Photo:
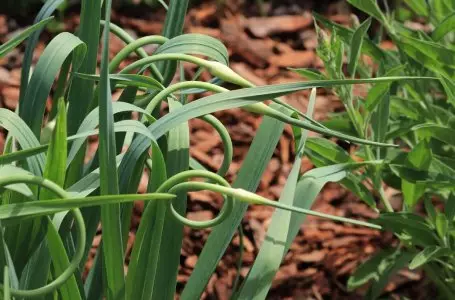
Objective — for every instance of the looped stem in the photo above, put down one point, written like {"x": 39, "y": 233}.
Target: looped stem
{"x": 226, "y": 141}
{"x": 81, "y": 236}
{"x": 177, "y": 183}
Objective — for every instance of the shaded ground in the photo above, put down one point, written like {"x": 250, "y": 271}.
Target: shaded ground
{"x": 324, "y": 253}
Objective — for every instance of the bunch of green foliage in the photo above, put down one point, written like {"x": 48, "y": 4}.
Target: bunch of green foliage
{"x": 417, "y": 115}
{"x": 52, "y": 200}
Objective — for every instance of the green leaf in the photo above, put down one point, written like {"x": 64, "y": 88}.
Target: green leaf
{"x": 379, "y": 91}
{"x": 248, "y": 178}
{"x": 356, "y": 46}
{"x": 379, "y": 123}
{"x": 91, "y": 121}
{"x": 378, "y": 269}
{"x": 370, "y": 7}
{"x": 281, "y": 229}
{"x": 21, "y": 132}
{"x": 435, "y": 179}
{"x": 442, "y": 225}
{"x": 409, "y": 227}
{"x": 177, "y": 160}
{"x": 420, "y": 7}
{"x": 323, "y": 152}
{"x": 419, "y": 158}
{"x": 439, "y": 132}
{"x": 433, "y": 56}
{"x": 81, "y": 92}
{"x": 46, "y": 10}
{"x": 328, "y": 150}
{"x": 11, "y": 213}
{"x": 446, "y": 26}
{"x": 436, "y": 51}
{"x": 309, "y": 74}
{"x": 427, "y": 255}
{"x": 173, "y": 26}
{"x": 110, "y": 214}
{"x": 17, "y": 39}
{"x": 128, "y": 79}
{"x": 450, "y": 207}
{"x": 31, "y": 109}
{"x": 145, "y": 253}
{"x": 346, "y": 35}
{"x": 55, "y": 168}
{"x": 10, "y": 170}
{"x": 449, "y": 87}
{"x": 194, "y": 43}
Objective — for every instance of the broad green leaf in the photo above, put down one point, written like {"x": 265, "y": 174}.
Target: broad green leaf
{"x": 435, "y": 179}
{"x": 427, "y": 255}
{"x": 436, "y": 51}
{"x": 60, "y": 263}
{"x": 409, "y": 227}
{"x": 439, "y": 132}
{"x": 419, "y": 158}
{"x": 379, "y": 269}
{"x": 434, "y": 57}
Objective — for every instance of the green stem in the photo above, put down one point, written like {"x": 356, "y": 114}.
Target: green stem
{"x": 251, "y": 198}
{"x": 133, "y": 47}
{"x": 125, "y": 37}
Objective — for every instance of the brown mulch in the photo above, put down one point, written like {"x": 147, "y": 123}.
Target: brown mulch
{"x": 324, "y": 253}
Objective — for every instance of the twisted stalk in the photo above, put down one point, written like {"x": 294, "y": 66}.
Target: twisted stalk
{"x": 177, "y": 183}
{"x": 80, "y": 229}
